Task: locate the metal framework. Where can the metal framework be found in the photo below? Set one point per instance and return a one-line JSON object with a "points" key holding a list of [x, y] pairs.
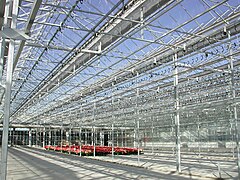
{"points": [[163, 68]]}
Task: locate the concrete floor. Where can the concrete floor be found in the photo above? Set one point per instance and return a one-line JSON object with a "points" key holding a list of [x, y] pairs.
{"points": [[32, 164]]}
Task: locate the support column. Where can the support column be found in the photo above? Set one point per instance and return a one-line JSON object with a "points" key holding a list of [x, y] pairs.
{"points": [[152, 136], [49, 137], [138, 124], [37, 137], [94, 126], [2, 49], [138, 141], [177, 124], [112, 120], [30, 137], [101, 137], [70, 139], [44, 134], [67, 137], [94, 140], [117, 138], [54, 138], [9, 75], [92, 143], [61, 137], [80, 141], [122, 137], [232, 138], [13, 141], [112, 141], [125, 134], [199, 147], [86, 136], [234, 105]]}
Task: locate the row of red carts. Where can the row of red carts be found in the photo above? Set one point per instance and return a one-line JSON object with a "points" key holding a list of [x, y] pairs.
{"points": [[87, 150]]}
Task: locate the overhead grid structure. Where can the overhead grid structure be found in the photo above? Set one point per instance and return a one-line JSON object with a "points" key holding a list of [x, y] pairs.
{"points": [[160, 75]]}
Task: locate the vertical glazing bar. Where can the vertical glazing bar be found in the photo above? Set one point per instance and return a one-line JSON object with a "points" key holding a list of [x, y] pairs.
{"points": [[177, 124], [8, 92]]}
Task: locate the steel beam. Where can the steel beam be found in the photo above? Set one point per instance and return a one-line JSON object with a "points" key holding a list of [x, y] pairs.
{"points": [[2, 10], [215, 37], [77, 61], [30, 21]]}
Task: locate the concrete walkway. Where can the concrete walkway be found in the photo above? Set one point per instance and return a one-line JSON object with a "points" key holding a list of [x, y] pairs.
{"points": [[33, 164]]}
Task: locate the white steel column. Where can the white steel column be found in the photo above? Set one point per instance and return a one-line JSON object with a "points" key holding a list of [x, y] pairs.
{"points": [[8, 92], [122, 137], [36, 135], [30, 137], [80, 140], [199, 147], [49, 137], [70, 139], [112, 141], [54, 138], [94, 127], [234, 105], [112, 122], [177, 124], [61, 137], [2, 49], [86, 136], [44, 134], [137, 128], [152, 138]]}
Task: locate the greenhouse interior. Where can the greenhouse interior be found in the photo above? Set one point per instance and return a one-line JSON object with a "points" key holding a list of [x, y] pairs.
{"points": [[119, 89]]}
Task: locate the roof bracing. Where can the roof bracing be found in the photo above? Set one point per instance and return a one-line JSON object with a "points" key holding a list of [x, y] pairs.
{"points": [[81, 54], [77, 60]]}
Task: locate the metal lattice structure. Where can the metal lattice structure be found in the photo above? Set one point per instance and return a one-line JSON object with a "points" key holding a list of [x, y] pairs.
{"points": [[162, 68]]}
